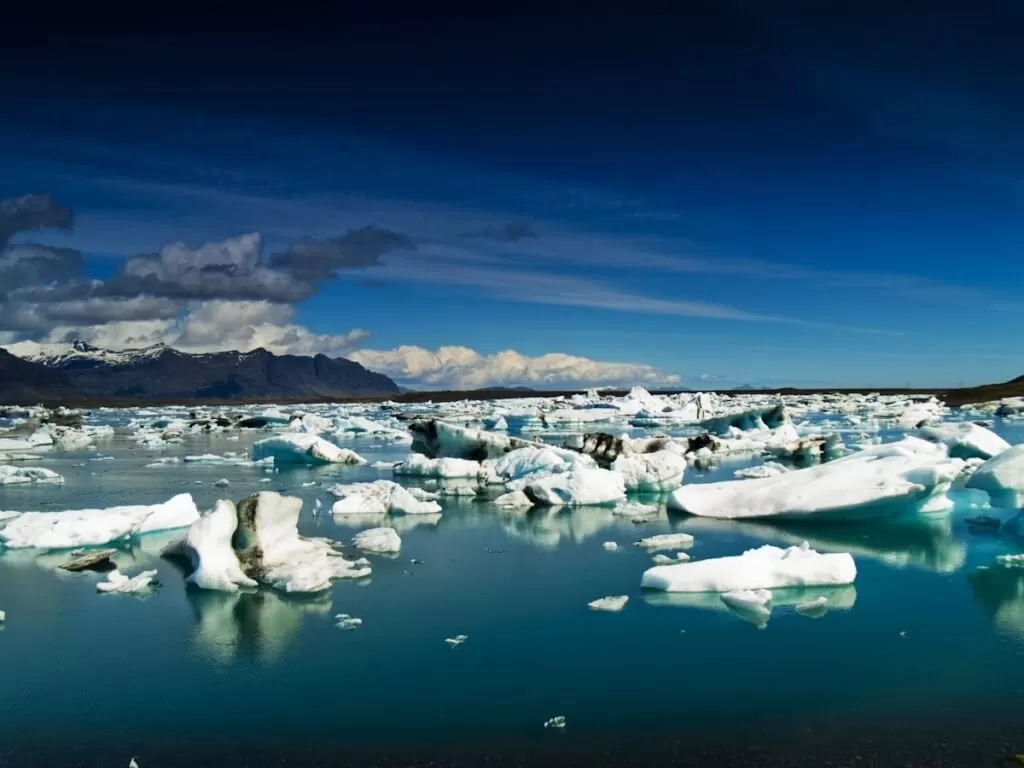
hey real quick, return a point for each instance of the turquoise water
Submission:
(923, 634)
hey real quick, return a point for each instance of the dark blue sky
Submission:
(785, 192)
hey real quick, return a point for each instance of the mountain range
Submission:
(79, 371)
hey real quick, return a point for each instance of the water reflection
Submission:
(548, 527)
(783, 601)
(927, 544)
(999, 589)
(256, 625)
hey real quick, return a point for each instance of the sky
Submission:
(784, 193)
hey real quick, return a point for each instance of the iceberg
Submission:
(439, 439)
(379, 498)
(651, 472)
(612, 604)
(1002, 478)
(208, 545)
(579, 487)
(666, 541)
(418, 465)
(380, 541)
(766, 567)
(885, 481)
(118, 583)
(24, 475)
(94, 527)
(965, 440)
(303, 448)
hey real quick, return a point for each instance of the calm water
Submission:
(923, 637)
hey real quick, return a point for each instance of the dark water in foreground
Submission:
(921, 663)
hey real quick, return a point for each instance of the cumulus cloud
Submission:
(317, 260)
(465, 368)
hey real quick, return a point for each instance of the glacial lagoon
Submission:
(928, 640)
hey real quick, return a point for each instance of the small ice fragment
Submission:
(662, 559)
(903, 633)
(813, 609)
(118, 583)
(456, 641)
(222, 483)
(611, 546)
(264, 479)
(666, 541)
(3, 616)
(614, 603)
(348, 622)
(556, 722)
(132, 763)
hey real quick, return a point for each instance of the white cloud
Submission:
(465, 368)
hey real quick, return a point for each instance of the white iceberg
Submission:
(965, 440)
(379, 498)
(303, 448)
(613, 604)
(1002, 478)
(24, 475)
(380, 541)
(94, 527)
(418, 465)
(651, 472)
(208, 544)
(897, 479)
(118, 583)
(579, 487)
(766, 567)
(666, 541)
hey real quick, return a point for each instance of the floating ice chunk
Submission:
(500, 425)
(513, 500)
(919, 413)
(270, 549)
(302, 448)
(164, 461)
(579, 487)
(557, 722)
(388, 465)
(344, 621)
(208, 544)
(357, 427)
(766, 567)
(611, 546)
(456, 641)
(764, 418)
(884, 481)
(228, 459)
(380, 541)
(660, 559)
(965, 440)
(222, 483)
(379, 498)
(529, 463)
(94, 527)
(658, 471)
(815, 608)
(438, 439)
(121, 584)
(665, 541)
(612, 604)
(636, 512)
(3, 616)
(768, 469)
(418, 465)
(1002, 478)
(24, 475)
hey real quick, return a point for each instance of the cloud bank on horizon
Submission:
(229, 296)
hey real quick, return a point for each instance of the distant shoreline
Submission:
(952, 397)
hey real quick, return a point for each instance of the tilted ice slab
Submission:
(885, 481)
(379, 498)
(1002, 478)
(24, 475)
(118, 583)
(658, 471)
(265, 546)
(965, 440)
(766, 567)
(302, 448)
(94, 527)
(439, 439)
(418, 465)
(577, 488)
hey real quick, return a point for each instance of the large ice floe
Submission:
(93, 527)
(1002, 478)
(303, 448)
(257, 540)
(380, 498)
(766, 567)
(25, 475)
(418, 465)
(908, 477)
(965, 440)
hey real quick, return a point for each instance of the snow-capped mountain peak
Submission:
(59, 353)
